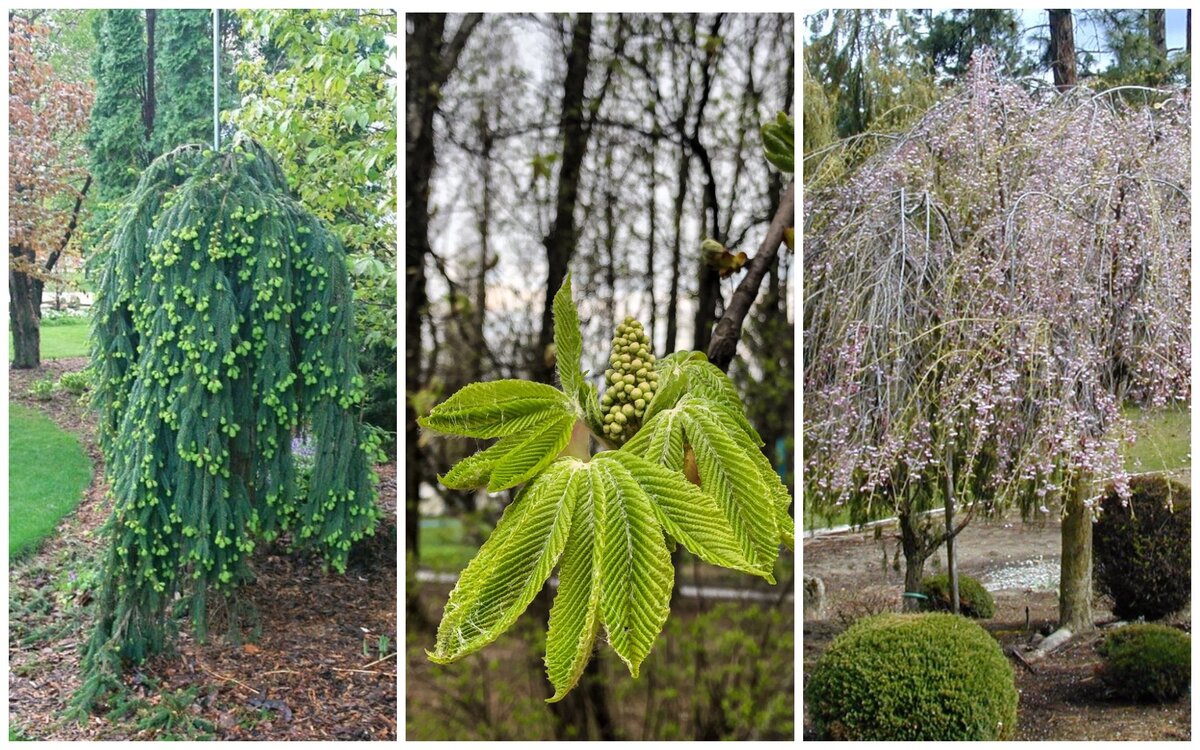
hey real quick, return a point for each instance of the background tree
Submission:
(330, 115)
(47, 181)
(183, 108)
(431, 59)
(117, 132)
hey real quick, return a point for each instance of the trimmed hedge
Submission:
(974, 601)
(1142, 549)
(1148, 662)
(913, 677)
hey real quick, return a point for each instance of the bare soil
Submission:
(1062, 699)
(315, 672)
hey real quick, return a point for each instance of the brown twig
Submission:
(208, 671)
(365, 671)
(728, 330)
(377, 661)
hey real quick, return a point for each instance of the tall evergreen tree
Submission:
(184, 79)
(116, 136)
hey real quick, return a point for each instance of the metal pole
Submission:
(216, 78)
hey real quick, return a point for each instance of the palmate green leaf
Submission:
(781, 498)
(704, 380)
(733, 471)
(575, 615)
(568, 343)
(540, 446)
(474, 470)
(513, 564)
(498, 408)
(686, 513)
(729, 473)
(637, 574)
(660, 440)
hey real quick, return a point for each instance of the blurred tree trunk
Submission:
(25, 308)
(681, 183)
(25, 287)
(610, 240)
(1157, 21)
(561, 240)
(430, 59)
(651, 237)
(483, 225)
(149, 100)
(1062, 49)
(709, 290)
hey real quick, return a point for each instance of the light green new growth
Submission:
(606, 520)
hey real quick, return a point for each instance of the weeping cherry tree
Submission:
(983, 296)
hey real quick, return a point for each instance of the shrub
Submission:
(75, 382)
(42, 390)
(1141, 548)
(973, 599)
(913, 677)
(1148, 662)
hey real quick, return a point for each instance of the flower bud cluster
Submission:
(631, 382)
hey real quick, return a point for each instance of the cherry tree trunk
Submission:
(1075, 583)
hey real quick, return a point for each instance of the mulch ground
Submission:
(315, 671)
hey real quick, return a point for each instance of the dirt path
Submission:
(309, 675)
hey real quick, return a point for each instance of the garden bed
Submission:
(1063, 699)
(323, 668)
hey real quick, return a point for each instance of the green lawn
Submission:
(1163, 440)
(62, 340)
(47, 473)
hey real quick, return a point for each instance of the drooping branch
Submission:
(729, 328)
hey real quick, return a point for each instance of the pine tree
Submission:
(116, 137)
(183, 79)
(223, 328)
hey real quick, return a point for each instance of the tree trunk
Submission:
(951, 562)
(1062, 49)
(25, 311)
(560, 241)
(708, 295)
(681, 187)
(1188, 43)
(650, 240)
(148, 101)
(1157, 21)
(1075, 583)
(916, 552)
(429, 63)
(484, 225)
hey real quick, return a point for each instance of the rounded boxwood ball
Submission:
(1148, 662)
(913, 677)
(974, 601)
